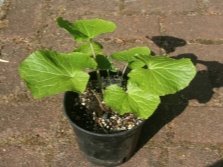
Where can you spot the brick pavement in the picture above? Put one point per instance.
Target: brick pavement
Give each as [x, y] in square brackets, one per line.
[187, 128]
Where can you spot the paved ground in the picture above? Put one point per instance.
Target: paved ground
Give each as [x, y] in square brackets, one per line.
[186, 130]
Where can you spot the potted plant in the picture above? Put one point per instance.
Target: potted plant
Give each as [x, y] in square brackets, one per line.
[106, 107]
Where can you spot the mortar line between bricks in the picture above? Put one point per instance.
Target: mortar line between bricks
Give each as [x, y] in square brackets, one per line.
[175, 13]
[202, 7]
[157, 13]
[185, 144]
[41, 27]
[206, 41]
[22, 140]
[161, 31]
[121, 5]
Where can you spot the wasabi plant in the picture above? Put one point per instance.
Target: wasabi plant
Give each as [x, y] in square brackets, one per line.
[47, 72]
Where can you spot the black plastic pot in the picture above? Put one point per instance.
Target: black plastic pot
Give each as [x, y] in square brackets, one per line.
[102, 149]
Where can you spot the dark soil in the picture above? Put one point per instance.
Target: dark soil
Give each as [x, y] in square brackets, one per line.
[89, 115]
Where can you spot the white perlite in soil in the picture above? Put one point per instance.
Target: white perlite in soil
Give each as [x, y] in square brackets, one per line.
[92, 118]
[116, 122]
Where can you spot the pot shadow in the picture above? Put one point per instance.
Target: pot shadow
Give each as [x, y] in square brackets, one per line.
[200, 89]
[217, 164]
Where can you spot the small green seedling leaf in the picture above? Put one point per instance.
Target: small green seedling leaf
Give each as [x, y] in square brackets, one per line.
[48, 72]
[164, 75]
[104, 63]
[86, 48]
[129, 56]
[135, 100]
[85, 30]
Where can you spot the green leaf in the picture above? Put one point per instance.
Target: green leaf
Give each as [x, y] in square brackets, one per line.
[104, 63]
[164, 75]
[86, 48]
[48, 72]
[135, 100]
[129, 56]
[84, 30]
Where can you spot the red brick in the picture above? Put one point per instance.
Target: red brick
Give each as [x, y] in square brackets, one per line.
[29, 119]
[187, 157]
[55, 38]
[64, 131]
[84, 7]
[70, 155]
[199, 125]
[213, 7]
[145, 157]
[160, 6]
[9, 76]
[23, 18]
[12, 156]
[135, 27]
[194, 27]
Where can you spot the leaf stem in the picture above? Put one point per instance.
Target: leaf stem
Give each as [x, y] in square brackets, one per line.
[109, 77]
[124, 70]
[99, 100]
[98, 121]
[97, 70]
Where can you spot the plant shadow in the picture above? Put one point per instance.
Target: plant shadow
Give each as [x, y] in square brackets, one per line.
[217, 164]
[168, 43]
[200, 89]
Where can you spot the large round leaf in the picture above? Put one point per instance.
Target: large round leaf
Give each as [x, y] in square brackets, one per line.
[48, 72]
[164, 75]
[83, 30]
[135, 100]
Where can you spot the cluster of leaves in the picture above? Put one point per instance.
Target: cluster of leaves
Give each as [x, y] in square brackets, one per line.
[48, 72]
